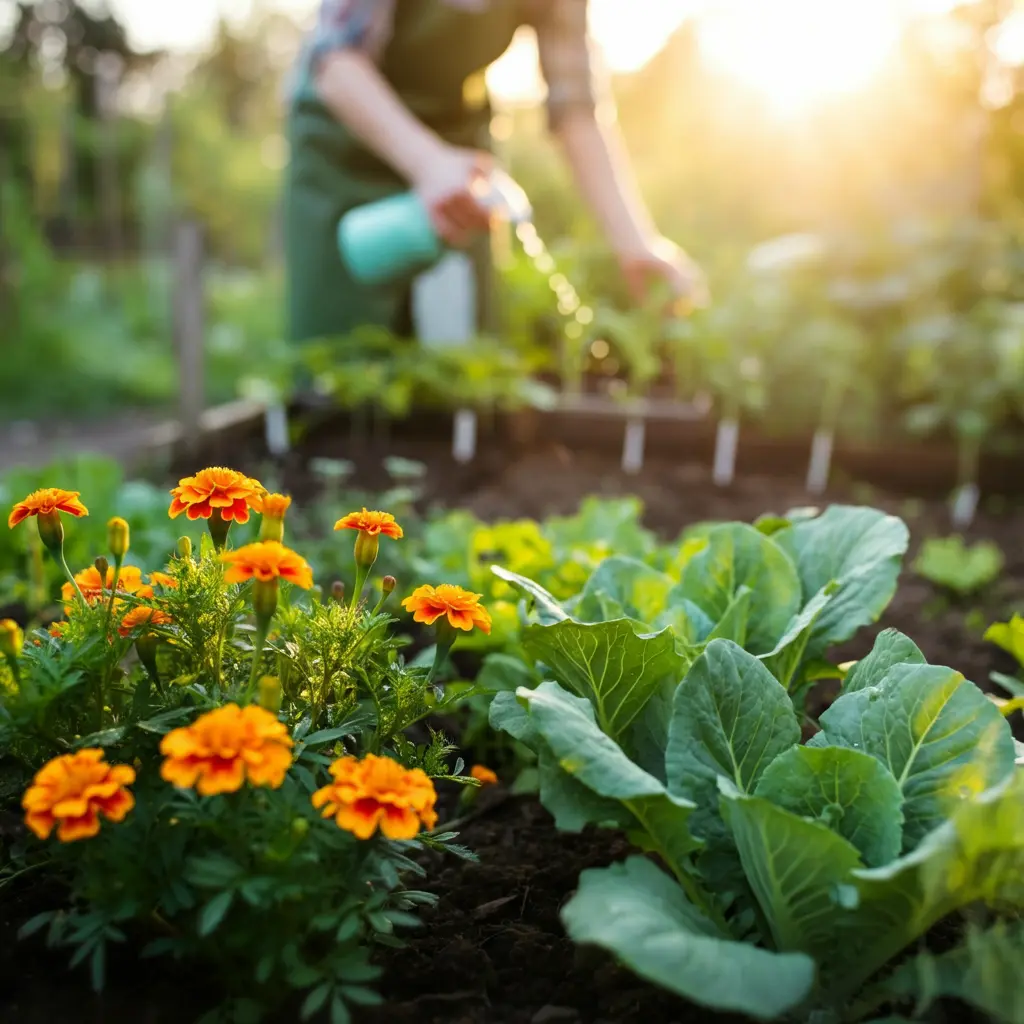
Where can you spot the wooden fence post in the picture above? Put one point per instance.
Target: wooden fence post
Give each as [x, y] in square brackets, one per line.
[189, 328]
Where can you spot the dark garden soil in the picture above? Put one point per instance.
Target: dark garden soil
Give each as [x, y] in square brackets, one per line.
[493, 951]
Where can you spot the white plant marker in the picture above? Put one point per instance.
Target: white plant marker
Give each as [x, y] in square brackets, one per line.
[275, 425]
[444, 312]
[821, 461]
[726, 441]
[964, 505]
[633, 445]
[464, 436]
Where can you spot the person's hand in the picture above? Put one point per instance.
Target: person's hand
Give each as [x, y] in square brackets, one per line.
[451, 186]
[663, 261]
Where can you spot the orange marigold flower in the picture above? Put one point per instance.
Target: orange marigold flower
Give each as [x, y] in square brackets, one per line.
[142, 615]
[377, 791]
[56, 629]
[162, 579]
[266, 560]
[483, 775]
[224, 490]
[46, 502]
[463, 608]
[220, 750]
[373, 523]
[92, 584]
[275, 505]
[73, 790]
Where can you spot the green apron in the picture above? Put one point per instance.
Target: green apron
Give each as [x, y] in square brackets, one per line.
[434, 49]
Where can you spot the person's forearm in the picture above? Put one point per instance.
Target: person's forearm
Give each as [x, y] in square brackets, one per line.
[356, 93]
[603, 173]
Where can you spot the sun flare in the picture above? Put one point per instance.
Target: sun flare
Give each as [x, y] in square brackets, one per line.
[798, 53]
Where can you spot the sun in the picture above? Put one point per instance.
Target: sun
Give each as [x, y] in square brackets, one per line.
[799, 53]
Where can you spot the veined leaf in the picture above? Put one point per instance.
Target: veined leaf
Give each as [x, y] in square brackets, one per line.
[784, 660]
[794, 867]
[730, 717]
[977, 855]
[583, 751]
[891, 648]
[644, 918]
[737, 555]
[850, 792]
[548, 609]
[861, 549]
[633, 586]
[610, 664]
[938, 734]
[568, 801]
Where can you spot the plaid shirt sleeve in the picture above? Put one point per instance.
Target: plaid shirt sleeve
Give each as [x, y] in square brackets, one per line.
[566, 61]
[350, 24]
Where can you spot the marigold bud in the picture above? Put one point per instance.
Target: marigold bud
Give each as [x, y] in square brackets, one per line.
[388, 584]
[12, 639]
[272, 523]
[102, 567]
[367, 546]
[300, 827]
[185, 547]
[51, 530]
[264, 599]
[117, 537]
[270, 693]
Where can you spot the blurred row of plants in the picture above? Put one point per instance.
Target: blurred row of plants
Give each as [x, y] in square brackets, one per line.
[892, 300]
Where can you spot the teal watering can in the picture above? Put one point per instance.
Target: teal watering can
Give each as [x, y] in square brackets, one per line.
[394, 238]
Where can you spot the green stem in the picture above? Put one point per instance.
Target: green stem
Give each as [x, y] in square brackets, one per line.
[62, 562]
[113, 594]
[262, 628]
[362, 571]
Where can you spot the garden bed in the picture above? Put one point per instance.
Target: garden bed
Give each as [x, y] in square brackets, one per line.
[494, 950]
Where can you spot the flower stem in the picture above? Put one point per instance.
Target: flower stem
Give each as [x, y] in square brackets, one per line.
[362, 571]
[62, 562]
[262, 628]
[113, 595]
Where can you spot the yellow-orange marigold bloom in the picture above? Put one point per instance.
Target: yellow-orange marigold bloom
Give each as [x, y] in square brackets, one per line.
[275, 505]
[377, 791]
[217, 489]
[162, 579]
[45, 502]
[142, 615]
[225, 747]
[373, 523]
[483, 775]
[73, 790]
[266, 560]
[92, 584]
[463, 608]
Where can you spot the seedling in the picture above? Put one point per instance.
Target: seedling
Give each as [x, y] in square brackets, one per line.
[959, 568]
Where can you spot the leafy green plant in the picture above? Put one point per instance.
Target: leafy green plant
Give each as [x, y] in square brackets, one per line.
[792, 874]
[960, 568]
[254, 728]
[1010, 637]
